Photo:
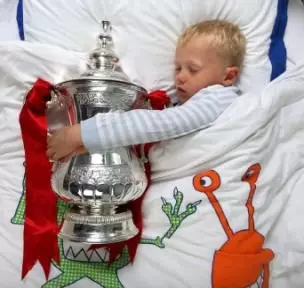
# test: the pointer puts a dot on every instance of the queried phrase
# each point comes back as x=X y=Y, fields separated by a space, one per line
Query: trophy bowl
x=98 y=187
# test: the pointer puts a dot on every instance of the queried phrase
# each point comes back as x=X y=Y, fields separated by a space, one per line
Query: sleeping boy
x=208 y=60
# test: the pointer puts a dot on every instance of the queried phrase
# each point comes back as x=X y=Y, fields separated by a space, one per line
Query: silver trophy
x=98 y=186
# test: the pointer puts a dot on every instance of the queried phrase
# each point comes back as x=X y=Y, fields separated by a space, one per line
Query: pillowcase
x=9 y=29
x=293 y=40
x=145 y=33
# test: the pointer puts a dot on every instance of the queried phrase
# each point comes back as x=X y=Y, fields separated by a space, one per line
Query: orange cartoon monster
x=242 y=259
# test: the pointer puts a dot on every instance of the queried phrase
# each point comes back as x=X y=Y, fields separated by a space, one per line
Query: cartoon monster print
x=101 y=272
x=241 y=260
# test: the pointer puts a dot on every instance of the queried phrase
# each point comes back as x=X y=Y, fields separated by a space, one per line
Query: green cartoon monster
x=101 y=272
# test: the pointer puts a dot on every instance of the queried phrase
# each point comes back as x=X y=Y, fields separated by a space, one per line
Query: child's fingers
x=80 y=150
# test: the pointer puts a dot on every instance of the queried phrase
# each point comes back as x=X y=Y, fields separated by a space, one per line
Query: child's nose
x=181 y=77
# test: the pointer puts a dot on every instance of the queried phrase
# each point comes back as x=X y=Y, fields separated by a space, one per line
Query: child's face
x=198 y=66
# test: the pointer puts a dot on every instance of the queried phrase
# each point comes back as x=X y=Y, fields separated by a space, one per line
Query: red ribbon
x=158 y=100
x=40 y=226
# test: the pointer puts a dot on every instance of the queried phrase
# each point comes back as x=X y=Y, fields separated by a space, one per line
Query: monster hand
x=175 y=217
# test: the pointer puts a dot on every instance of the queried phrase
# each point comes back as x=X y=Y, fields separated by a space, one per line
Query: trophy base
x=79 y=226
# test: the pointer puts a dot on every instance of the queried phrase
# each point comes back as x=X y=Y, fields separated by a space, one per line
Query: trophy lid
x=103 y=83
x=103 y=63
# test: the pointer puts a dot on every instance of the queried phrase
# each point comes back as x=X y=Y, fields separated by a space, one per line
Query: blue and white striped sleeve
x=112 y=130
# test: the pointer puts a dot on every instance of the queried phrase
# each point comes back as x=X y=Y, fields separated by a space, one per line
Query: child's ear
x=232 y=74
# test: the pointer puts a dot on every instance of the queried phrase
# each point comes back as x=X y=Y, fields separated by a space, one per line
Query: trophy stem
x=97 y=225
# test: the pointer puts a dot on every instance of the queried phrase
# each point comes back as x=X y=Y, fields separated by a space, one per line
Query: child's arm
x=113 y=130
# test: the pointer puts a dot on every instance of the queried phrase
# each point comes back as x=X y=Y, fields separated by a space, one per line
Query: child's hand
x=65 y=143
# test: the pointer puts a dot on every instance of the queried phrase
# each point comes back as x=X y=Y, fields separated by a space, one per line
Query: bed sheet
x=23 y=62
x=186 y=239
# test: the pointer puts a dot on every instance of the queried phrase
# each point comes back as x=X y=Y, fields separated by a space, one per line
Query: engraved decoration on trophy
x=97 y=186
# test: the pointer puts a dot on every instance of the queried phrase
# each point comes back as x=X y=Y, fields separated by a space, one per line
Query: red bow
x=159 y=99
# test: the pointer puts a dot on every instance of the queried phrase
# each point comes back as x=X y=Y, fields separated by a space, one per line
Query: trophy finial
x=106 y=26
x=105 y=36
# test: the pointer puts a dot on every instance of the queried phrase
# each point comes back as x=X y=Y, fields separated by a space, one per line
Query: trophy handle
x=56 y=113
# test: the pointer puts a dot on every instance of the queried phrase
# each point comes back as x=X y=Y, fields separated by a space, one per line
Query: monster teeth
x=84 y=255
x=97 y=257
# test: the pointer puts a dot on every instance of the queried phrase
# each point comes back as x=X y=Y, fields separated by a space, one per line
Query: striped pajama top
x=111 y=130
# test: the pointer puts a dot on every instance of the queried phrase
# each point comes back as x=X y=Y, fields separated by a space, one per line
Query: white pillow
x=145 y=32
x=293 y=35
x=8 y=21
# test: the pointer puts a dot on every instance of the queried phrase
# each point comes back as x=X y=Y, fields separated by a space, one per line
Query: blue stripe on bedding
x=19 y=18
x=277 y=51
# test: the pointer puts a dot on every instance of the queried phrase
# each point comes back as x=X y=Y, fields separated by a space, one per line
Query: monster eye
x=252 y=174
x=205 y=181
x=249 y=173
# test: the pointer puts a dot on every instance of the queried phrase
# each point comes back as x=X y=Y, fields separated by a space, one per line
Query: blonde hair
x=225 y=37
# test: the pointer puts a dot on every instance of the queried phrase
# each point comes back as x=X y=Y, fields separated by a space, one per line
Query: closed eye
x=193 y=70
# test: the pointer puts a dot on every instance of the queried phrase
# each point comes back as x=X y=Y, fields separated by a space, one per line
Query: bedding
x=182 y=230
x=184 y=236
